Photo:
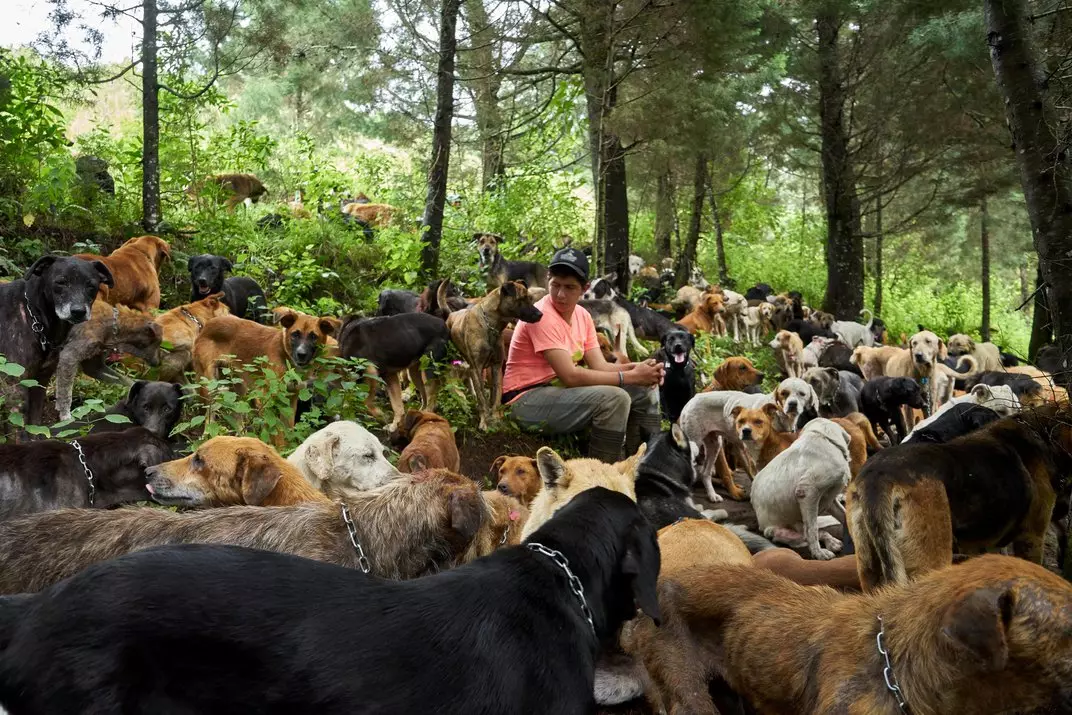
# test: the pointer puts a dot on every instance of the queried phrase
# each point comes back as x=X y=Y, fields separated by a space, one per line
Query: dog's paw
x=822 y=554
x=830 y=542
x=714 y=497
x=715 y=514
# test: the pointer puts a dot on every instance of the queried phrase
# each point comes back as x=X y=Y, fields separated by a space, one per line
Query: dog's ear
x=612 y=277
x=320 y=457
x=418 y=462
x=662 y=340
x=465 y=520
x=971 y=345
x=552 y=468
x=628 y=466
x=39 y=266
x=813 y=398
x=832 y=372
x=226 y=264
x=476 y=237
x=736 y=411
x=978 y=623
x=943 y=352
x=496 y=466
x=679 y=437
x=178 y=390
x=982 y=392
x=508 y=289
x=191 y=262
x=288 y=319
x=104 y=272
x=258 y=475
x=135 y=390
x=411 y=420
x=329 y=326
x=770 y=408
x=692 y=341
x=641 y=564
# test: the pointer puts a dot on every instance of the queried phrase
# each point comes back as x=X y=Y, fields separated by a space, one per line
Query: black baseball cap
x=572 y=259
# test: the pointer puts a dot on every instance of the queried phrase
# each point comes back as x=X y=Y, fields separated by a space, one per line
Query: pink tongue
x=679 y=358
x=149 y=488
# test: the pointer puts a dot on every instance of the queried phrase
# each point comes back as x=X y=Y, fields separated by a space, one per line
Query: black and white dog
x=243 y=295
x=647 y=324
x=679 y=379
x=218 y=629
x=665 y=477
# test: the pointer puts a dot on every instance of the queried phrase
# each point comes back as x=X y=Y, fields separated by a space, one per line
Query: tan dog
x=564 y=480
x=296 y=344
x=861 y=438
x=757 y=322
x=236 y=187
x=1051 y=391
x=987 y=355
x=872 y=361
x=476 y=333
x=181 y=327
x=735 y=373
x=431 y=443
x=987 y=636
x=921 y=362
x=756 y=427
x=375 y=215
x=677 y=666
x=518 y=477
x=839 y=573
x=706 y=317
x=134 y=266
x=789 y=353
x=503 y=522
x=231 y=471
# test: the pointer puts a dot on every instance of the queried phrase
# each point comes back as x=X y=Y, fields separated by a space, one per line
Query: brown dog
x=297 y=343
x=236 y=187
x=872 y=361
x=987 y=636
x=431 y=443
x=861 y=438
x=990 y=488
x=756 y=426
x=735 y=373
x=110 y=329
x=134 y=266
x=231 y=471
x=706 y=317
x=518 y=477
x=477 y=334
x=181 y=327
x=375 y=215
x=789 y=353
x=412 y=526
x=839 y=572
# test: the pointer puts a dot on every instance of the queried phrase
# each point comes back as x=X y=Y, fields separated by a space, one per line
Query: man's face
x=565 y=292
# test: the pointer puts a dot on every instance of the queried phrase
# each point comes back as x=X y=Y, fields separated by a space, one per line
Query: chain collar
x=574 y=582
x=506 y=534
x=887 y=672
x=115 y=321
x=193 y=318
x=89 y=472
x=36 y=325
x=362 y=561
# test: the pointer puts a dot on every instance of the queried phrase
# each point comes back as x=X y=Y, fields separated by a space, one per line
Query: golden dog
x=134 y=266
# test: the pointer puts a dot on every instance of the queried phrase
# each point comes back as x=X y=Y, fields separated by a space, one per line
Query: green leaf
x=16 y=419
x=12 y=368
x=30 y=383
x=197 y=420
x=117 y=419
x=39 y=430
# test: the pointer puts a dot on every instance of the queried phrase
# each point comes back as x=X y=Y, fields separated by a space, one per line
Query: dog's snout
x=918 y=357
x=152 y=471
x=746 y=433
x=78 y=314
x=503 y=488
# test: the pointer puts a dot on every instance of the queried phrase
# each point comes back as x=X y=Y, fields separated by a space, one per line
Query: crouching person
x=550 y=392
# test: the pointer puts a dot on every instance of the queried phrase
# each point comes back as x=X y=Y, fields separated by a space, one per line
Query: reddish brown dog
x=517 y=477
x=735 y=373
x=431 y=443
x=706 y=317
x=134 y=267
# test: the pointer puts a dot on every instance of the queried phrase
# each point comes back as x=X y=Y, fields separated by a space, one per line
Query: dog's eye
x=370 y=457
x=785 y=393
x=296 y=334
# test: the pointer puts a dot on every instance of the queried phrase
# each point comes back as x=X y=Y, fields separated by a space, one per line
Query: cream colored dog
x=987 y=356
x=872 y=361
x=804 y=480
x=564 y=480
x=789 y=352
x=343 y=459
x=757 y=322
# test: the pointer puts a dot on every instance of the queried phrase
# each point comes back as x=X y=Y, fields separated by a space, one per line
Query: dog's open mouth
x=203 y=289
x=679 y=358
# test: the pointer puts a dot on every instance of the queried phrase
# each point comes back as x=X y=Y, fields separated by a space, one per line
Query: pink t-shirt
x=525 y=363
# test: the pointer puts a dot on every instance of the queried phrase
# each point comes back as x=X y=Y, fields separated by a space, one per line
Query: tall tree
x=984 y=250
x=1043 y=158
x=436 y=196
x=486 y=82
x=686 y=259
x=664 y=214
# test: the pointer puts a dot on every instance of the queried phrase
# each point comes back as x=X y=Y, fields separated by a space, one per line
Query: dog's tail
x=443 y=297
x=872 y=520
x=870 y=318
x=972 y=367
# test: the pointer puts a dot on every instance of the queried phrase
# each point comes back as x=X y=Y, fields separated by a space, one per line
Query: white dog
x=708 y=412
x=814 y=350
x=855 y=334
x=793 y=395
x=999 y=398
x=635 y=264
x=343 y=458
x=735 y=305
x=756 y=320
x=802 y=481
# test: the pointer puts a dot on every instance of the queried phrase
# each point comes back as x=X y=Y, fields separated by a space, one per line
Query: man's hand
x=647 y=374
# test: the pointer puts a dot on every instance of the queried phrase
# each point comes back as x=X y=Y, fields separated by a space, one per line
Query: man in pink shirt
x=548 y=389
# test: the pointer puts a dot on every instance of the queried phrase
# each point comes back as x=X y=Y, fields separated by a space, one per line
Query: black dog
x=664 y=479
x=808 y=330
x=838 y=355
x=958 y=420
x=156 y=406
x=242 y=295
x=318 y=638
x=878 y=329
x=758 y=292
x=394 y=342
x=395 y=301
x=881 y=400
x=37 y=312
x=679 y=380
x=44 y=475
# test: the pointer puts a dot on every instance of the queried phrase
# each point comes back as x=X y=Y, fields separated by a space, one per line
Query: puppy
x=134 y=267
x=242 y=295
x=735 y=373
x=429 y=443
x=838 y=390
x=789 y=353
x=180 y=327
x=664 y=479
x=156 y=406
x=517 y=477
x=679 y=381
x=230 y=471
x=987 y=355
x=882 y=400
x=343 y=460
x=790 y=492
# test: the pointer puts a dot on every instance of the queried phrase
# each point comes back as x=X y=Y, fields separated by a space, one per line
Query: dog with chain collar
x=516 y=632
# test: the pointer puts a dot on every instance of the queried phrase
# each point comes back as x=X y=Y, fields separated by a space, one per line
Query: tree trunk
x=878 y=256
x=1041 y=322
x=720 y=246
x=687 y=258
x=984 y=245
x=486 y=84
x=615 y=211
x=664 y=216
x=1045 y=167
x=436 y=197
x=1023 y=287
x=844 y=243
x=150 y=121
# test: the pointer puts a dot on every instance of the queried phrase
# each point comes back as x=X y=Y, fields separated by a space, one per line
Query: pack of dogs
x=895 y=553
